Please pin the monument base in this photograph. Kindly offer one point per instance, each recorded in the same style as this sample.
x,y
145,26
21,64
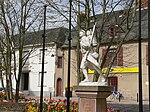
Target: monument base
x,y
82,83
93,98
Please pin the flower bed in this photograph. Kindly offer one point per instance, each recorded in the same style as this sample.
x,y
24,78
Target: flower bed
x,y
50,105
113,110
3,96
32,105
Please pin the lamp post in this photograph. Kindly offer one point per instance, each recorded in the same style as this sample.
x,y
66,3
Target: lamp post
x,y
140,63
149,50
69,56
43,54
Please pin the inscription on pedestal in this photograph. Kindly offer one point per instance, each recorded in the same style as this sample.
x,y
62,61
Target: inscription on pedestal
x,y
87,105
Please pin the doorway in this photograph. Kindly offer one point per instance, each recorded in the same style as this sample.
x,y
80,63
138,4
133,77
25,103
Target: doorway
x,y
113,81
59,87
25,82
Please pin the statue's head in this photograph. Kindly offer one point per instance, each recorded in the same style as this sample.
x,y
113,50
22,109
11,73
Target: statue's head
x,y
89,32
82,33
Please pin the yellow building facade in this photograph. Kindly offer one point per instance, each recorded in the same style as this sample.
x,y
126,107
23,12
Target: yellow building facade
x,y
125,77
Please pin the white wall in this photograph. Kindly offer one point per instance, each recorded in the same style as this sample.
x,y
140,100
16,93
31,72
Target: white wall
x,y
35,67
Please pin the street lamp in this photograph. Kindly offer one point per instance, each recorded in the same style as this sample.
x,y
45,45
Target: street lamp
x,y
140,63
69,55
43,54
149,49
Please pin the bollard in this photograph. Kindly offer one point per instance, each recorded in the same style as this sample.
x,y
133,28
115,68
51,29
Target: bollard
x,y
50,95
137,97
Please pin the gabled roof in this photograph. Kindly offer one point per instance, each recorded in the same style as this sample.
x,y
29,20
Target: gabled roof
x,y
57,35
133,34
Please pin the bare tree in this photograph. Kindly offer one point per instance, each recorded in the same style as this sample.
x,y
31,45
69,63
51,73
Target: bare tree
x,y
119,15
16,18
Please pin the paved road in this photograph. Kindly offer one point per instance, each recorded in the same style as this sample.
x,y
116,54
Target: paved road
x,y
129,105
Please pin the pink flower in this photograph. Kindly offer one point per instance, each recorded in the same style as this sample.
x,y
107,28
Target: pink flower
x,y
108,110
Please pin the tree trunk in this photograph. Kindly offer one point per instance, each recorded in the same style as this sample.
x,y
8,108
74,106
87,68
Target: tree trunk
x,y
1,78
17,91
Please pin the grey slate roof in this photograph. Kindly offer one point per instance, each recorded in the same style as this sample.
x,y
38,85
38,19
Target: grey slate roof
x,y
132,36
60,35
74,36
57,35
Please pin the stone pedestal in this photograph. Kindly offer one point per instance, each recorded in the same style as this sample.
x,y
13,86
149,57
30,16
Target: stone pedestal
x,y
92,98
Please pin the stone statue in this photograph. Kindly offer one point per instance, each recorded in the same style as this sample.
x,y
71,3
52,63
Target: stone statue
x,y
89,56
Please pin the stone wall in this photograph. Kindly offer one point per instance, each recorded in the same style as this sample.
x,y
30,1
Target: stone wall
x,y
11,107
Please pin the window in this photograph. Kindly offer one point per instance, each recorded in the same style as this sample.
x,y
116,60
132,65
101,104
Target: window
x,y
112,32
41,56
113,81
59,64
111,53
39,79
118,60
26,57
80,56
144,3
